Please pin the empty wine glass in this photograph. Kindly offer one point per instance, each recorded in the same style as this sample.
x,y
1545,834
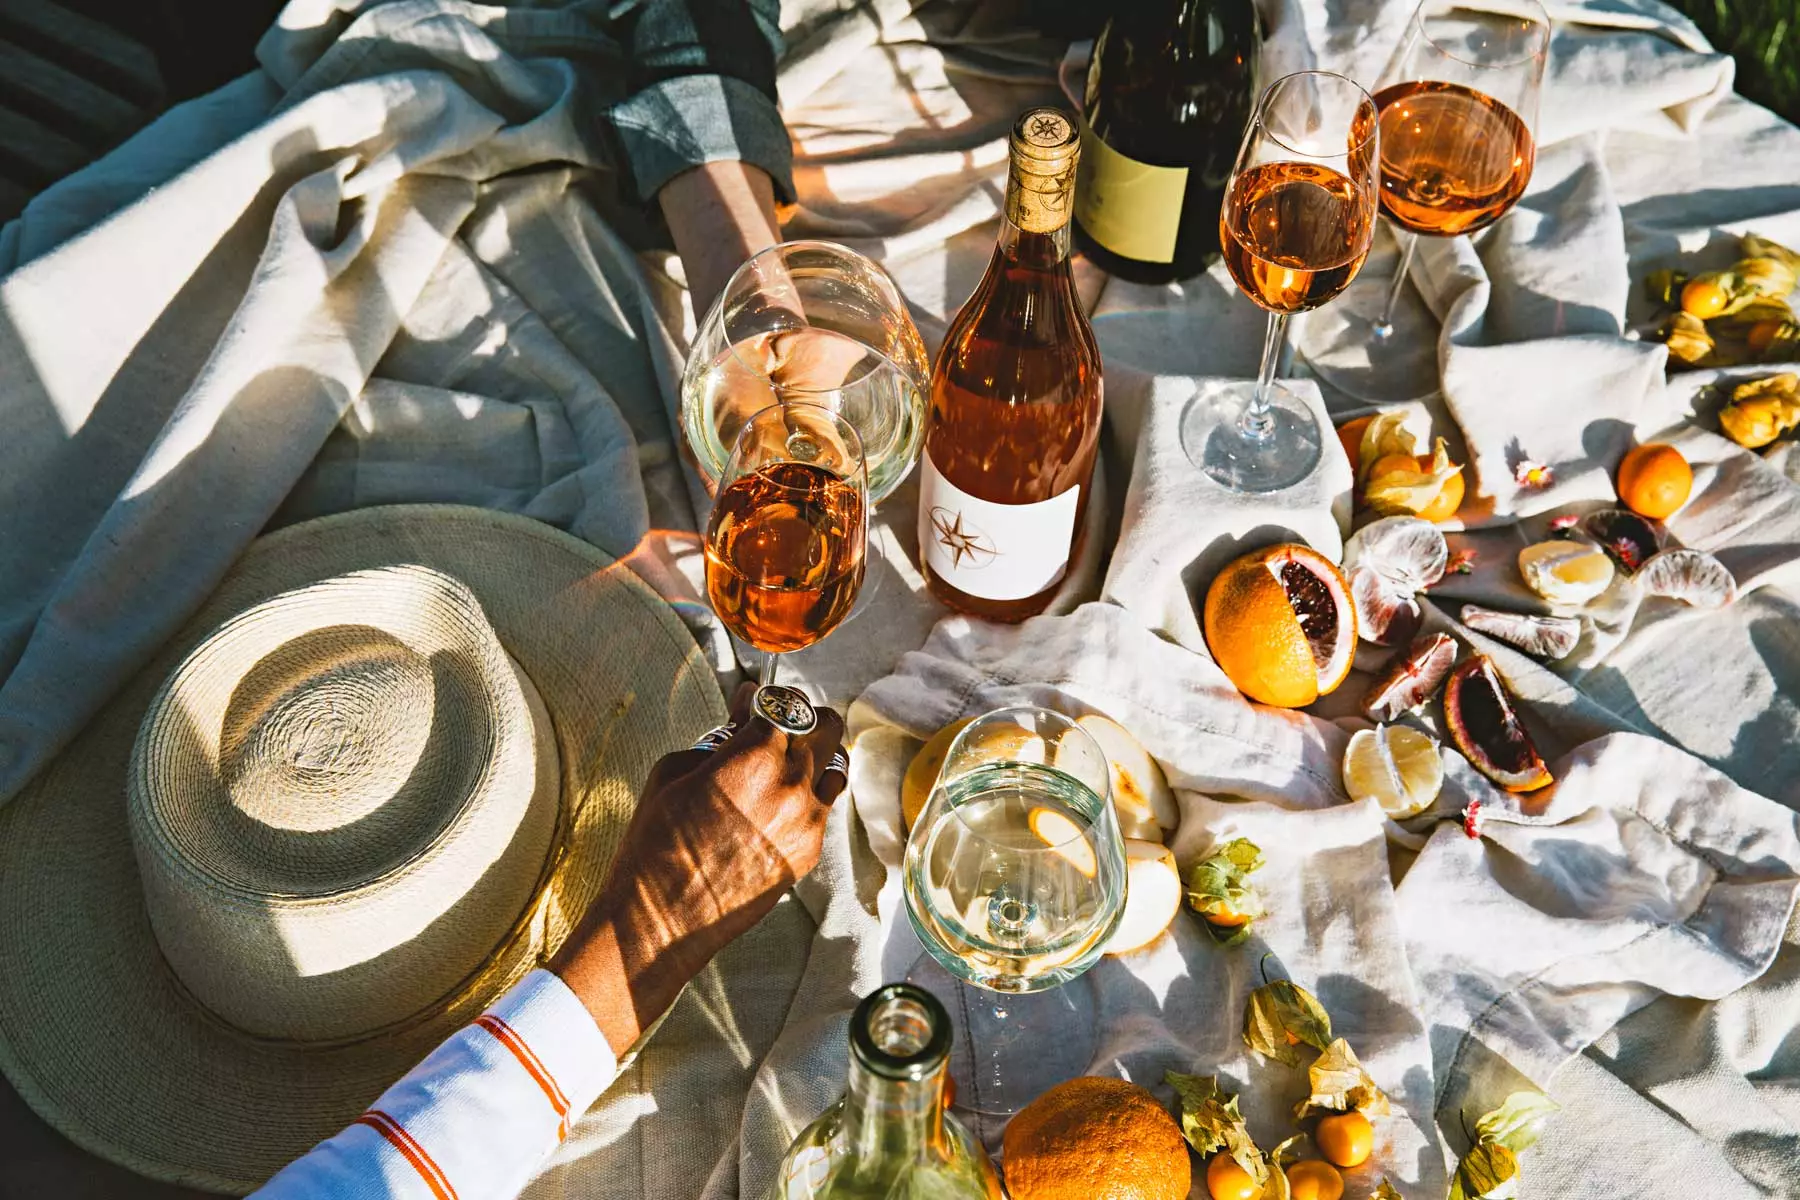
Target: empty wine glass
x,y
1014,880
1459,107
1299,212
812,323
789,526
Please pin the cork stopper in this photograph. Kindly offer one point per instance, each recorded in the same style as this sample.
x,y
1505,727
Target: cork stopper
x,y
1040,187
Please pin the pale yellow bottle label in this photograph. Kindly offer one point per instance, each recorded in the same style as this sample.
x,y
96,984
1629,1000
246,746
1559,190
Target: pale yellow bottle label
x,y
1130,207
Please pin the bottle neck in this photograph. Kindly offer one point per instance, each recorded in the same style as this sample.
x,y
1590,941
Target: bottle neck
x,y
886,1118
1040,251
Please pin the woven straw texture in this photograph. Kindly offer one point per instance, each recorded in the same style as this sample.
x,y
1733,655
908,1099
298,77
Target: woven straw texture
x,y
96,1032
340,806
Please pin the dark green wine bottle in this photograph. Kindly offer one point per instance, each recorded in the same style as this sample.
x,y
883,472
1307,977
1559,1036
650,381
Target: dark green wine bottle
x,y
1169,91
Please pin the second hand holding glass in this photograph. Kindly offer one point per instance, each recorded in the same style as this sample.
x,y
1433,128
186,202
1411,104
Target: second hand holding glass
x,y
1298,217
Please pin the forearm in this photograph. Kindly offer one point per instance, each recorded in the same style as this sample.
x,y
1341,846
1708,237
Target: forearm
x,y
720,214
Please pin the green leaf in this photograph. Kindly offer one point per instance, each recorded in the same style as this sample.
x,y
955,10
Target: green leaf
x,y
1339,1084
1385,1191
1219,890
1518,1121
1280,1017
1211,1122
1488,1172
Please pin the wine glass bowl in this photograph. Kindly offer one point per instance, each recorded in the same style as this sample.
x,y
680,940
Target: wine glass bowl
x,y
1298,218
815,323
1014,878
787,536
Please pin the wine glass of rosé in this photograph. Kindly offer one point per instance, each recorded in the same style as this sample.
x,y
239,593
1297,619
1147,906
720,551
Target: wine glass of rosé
x,y
1459,107
790,524
1298,216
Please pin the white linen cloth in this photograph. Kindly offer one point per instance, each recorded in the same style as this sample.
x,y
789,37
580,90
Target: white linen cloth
x,y
383,269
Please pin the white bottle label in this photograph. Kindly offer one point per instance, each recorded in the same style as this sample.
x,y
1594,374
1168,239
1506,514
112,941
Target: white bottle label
x,y
993,551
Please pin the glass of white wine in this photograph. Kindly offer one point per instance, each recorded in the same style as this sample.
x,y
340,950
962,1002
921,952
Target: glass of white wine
x,y
1015,879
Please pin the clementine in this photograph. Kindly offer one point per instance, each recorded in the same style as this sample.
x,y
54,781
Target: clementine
x,y
1350,435
1654,480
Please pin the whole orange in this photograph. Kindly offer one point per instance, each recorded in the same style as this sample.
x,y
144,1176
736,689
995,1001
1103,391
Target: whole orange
x,y
1444,506
1350,435
1654,480
1104,1139
1225,1180
1310,1179
1280,624
1347,1139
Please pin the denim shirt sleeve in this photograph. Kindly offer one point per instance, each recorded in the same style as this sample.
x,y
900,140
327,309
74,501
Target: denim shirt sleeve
x,y
703,90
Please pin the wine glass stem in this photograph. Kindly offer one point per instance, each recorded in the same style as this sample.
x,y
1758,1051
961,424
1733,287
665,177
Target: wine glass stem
x,y
1257,422
1409,241
768,669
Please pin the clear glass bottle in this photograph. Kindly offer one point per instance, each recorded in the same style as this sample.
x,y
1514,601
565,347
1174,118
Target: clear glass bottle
x,y
890,1137
1010,439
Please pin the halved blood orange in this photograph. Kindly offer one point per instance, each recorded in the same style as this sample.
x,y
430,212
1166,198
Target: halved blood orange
x,y
1280,624
1480,717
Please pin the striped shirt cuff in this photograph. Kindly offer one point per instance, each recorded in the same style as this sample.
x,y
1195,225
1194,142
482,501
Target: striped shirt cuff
x,y
688,120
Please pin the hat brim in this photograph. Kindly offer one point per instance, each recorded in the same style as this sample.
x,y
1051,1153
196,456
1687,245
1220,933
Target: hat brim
x,y
96,1033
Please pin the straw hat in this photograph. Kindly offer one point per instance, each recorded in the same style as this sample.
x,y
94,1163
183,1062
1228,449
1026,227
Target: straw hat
x,y
376,779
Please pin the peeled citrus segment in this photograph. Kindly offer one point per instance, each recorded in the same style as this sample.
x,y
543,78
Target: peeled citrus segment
x,y
1389,562
1411,679
1281,625
1142,798
922,773
1479,715
1065,838
1565,572
1394,766
1152,896
1691,575
1545,637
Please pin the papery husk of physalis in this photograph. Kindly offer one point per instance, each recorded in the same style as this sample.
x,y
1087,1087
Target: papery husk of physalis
x,y
1339,1084
1407,491
1282,1016
1687,339
1210,1121
1491,1167
1754,245
1277,1187
1664,287
1385,1191
1761,410
1767,331
1518,1122
1489,1171
1219,889
1396,432
1750,279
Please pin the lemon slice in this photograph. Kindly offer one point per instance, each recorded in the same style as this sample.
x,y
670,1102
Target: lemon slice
x,y
1067,839
1565,572
1394,766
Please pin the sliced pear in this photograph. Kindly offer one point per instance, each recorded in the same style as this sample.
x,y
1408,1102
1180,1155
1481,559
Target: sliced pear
x,y
1152,896
1142,797
922,772
1065,838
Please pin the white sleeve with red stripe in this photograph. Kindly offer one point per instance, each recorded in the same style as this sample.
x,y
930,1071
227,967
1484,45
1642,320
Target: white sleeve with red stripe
x,y
476,1118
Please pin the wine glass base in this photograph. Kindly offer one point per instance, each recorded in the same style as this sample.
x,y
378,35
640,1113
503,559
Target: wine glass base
x,y
1215,442
1344,344
1011,1047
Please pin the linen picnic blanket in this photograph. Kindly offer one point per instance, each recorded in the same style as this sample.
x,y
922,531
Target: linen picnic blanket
x,y
389,267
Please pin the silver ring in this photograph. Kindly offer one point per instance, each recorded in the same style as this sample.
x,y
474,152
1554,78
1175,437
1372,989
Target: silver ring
x,y
786,708
712,739
839,762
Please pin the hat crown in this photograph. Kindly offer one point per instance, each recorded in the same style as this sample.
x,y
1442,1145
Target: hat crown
x,y
341,803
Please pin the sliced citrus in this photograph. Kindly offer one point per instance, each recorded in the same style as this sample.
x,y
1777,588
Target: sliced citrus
x,y
1394,766
1565,572
1065,838
1534,633
1479,714
1281,625
1691,575
1412,678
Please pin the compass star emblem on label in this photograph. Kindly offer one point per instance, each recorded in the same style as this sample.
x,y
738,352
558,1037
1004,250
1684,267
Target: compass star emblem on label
x,y
969,547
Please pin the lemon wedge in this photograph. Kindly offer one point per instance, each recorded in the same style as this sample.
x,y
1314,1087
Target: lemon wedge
x,y
1566,572
1394,766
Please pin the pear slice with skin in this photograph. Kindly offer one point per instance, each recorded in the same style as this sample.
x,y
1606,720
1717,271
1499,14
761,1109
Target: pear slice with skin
x,y
1142,798
1152,896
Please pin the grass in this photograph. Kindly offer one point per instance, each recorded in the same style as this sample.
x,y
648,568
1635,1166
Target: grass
x,y
1764,37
